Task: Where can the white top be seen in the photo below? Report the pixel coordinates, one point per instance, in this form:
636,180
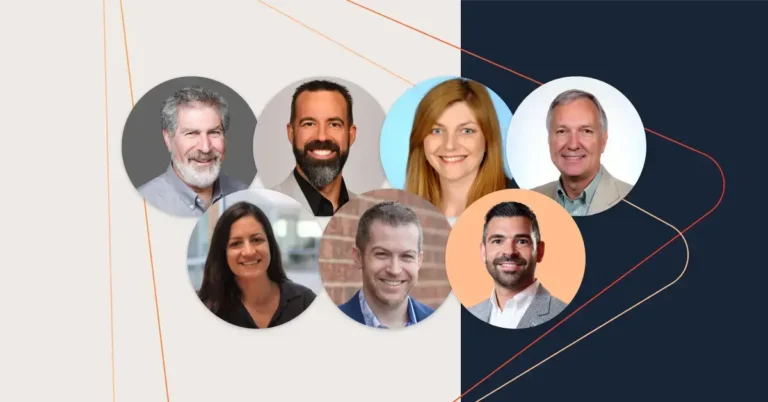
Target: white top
514,308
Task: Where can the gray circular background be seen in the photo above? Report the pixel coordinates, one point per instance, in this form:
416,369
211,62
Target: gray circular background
274,153
145,154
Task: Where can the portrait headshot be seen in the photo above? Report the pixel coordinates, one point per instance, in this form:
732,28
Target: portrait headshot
186,145
578,141
253,259
382,259
318,141
444,141
515,259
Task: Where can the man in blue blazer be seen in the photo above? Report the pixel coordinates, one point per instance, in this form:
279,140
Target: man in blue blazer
388,250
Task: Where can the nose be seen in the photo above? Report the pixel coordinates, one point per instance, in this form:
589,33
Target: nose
449,141
248,249
394,268
573,141
205,143
510,248
321,134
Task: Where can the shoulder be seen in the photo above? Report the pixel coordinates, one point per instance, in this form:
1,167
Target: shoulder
352,304
230,184
556,306
421,307
153,186
285,185
299,290
548,188
622,187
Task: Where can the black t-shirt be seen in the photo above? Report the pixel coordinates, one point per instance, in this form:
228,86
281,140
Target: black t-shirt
321,206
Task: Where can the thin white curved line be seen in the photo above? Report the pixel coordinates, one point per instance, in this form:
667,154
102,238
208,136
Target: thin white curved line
687,259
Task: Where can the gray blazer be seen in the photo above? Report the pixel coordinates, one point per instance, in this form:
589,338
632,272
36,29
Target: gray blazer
543,308
291,188
610,191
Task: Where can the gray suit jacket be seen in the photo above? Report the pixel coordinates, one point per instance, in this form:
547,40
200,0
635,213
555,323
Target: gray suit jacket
291,188
610,191
543,308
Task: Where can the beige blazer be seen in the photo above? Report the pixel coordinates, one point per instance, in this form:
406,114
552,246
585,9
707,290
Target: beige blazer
610,191
291,188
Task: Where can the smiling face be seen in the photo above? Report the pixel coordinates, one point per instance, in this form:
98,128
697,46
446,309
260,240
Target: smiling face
508,252
390,262
576,141
247,248
456,145
321,135
197,147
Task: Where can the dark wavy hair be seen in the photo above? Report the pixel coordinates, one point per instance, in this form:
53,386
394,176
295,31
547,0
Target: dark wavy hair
219,290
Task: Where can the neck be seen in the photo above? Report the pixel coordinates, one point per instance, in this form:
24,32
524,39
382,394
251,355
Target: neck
390,316
503,294
331,191
257,291
455,193
575,185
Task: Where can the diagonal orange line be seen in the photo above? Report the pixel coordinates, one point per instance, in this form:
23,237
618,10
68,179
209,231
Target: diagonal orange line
109,197
446,42
722,194
334,41
146,217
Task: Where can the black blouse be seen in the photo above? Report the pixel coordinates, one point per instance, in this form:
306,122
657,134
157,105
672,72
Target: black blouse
294,299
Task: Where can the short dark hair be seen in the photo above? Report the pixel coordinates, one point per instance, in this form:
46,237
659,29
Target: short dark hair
391,213
322,85
219,290
511,209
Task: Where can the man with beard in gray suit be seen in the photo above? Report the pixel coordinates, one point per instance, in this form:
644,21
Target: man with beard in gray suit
510,249
321,131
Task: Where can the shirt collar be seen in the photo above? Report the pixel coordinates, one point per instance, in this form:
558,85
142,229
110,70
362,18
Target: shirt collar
588,193
372,321
190,198
519,299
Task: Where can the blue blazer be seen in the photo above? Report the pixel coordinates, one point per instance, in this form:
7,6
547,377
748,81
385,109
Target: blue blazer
352,309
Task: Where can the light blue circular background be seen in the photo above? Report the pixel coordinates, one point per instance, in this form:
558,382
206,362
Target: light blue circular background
396,130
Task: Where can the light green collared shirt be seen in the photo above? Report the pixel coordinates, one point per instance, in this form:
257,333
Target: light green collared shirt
579,206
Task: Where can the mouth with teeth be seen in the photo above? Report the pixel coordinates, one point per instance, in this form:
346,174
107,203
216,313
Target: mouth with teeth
322,153
250,263
509,267
573,158
392,282
453,159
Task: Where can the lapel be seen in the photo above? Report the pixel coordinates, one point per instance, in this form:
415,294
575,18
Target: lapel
290,187
538,309
606,195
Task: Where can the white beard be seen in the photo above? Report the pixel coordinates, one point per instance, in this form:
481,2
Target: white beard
201,177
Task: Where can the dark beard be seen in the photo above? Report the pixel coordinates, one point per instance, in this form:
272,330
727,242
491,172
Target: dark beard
510,280
320,173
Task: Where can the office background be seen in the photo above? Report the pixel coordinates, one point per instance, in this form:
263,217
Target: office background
296,230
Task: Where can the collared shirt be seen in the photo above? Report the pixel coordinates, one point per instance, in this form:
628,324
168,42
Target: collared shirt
514,308
170,194
321,206
372,321
294,299
578,206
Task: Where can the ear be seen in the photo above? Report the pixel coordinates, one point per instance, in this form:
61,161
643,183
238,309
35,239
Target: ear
604,141
352,135
483,256
540,252
421,258
357,256
167,139
289,131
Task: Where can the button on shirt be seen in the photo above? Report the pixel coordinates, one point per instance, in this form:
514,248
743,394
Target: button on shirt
514,308
578,206
170,194
372,321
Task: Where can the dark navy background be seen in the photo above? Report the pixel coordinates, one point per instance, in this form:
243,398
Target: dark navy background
695,73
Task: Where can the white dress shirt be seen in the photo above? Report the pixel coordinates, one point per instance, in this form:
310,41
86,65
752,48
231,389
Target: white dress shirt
514,308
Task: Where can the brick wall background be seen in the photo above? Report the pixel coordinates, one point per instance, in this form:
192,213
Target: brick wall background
342,278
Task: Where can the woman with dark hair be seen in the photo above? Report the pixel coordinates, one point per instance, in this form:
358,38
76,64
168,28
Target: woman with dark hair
243,281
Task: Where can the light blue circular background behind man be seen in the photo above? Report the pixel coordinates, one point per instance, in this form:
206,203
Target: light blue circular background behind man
396,130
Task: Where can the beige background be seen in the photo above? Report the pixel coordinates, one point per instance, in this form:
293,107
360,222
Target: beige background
561,271
56,48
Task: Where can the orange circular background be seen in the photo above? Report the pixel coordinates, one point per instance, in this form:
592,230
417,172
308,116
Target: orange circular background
560,271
